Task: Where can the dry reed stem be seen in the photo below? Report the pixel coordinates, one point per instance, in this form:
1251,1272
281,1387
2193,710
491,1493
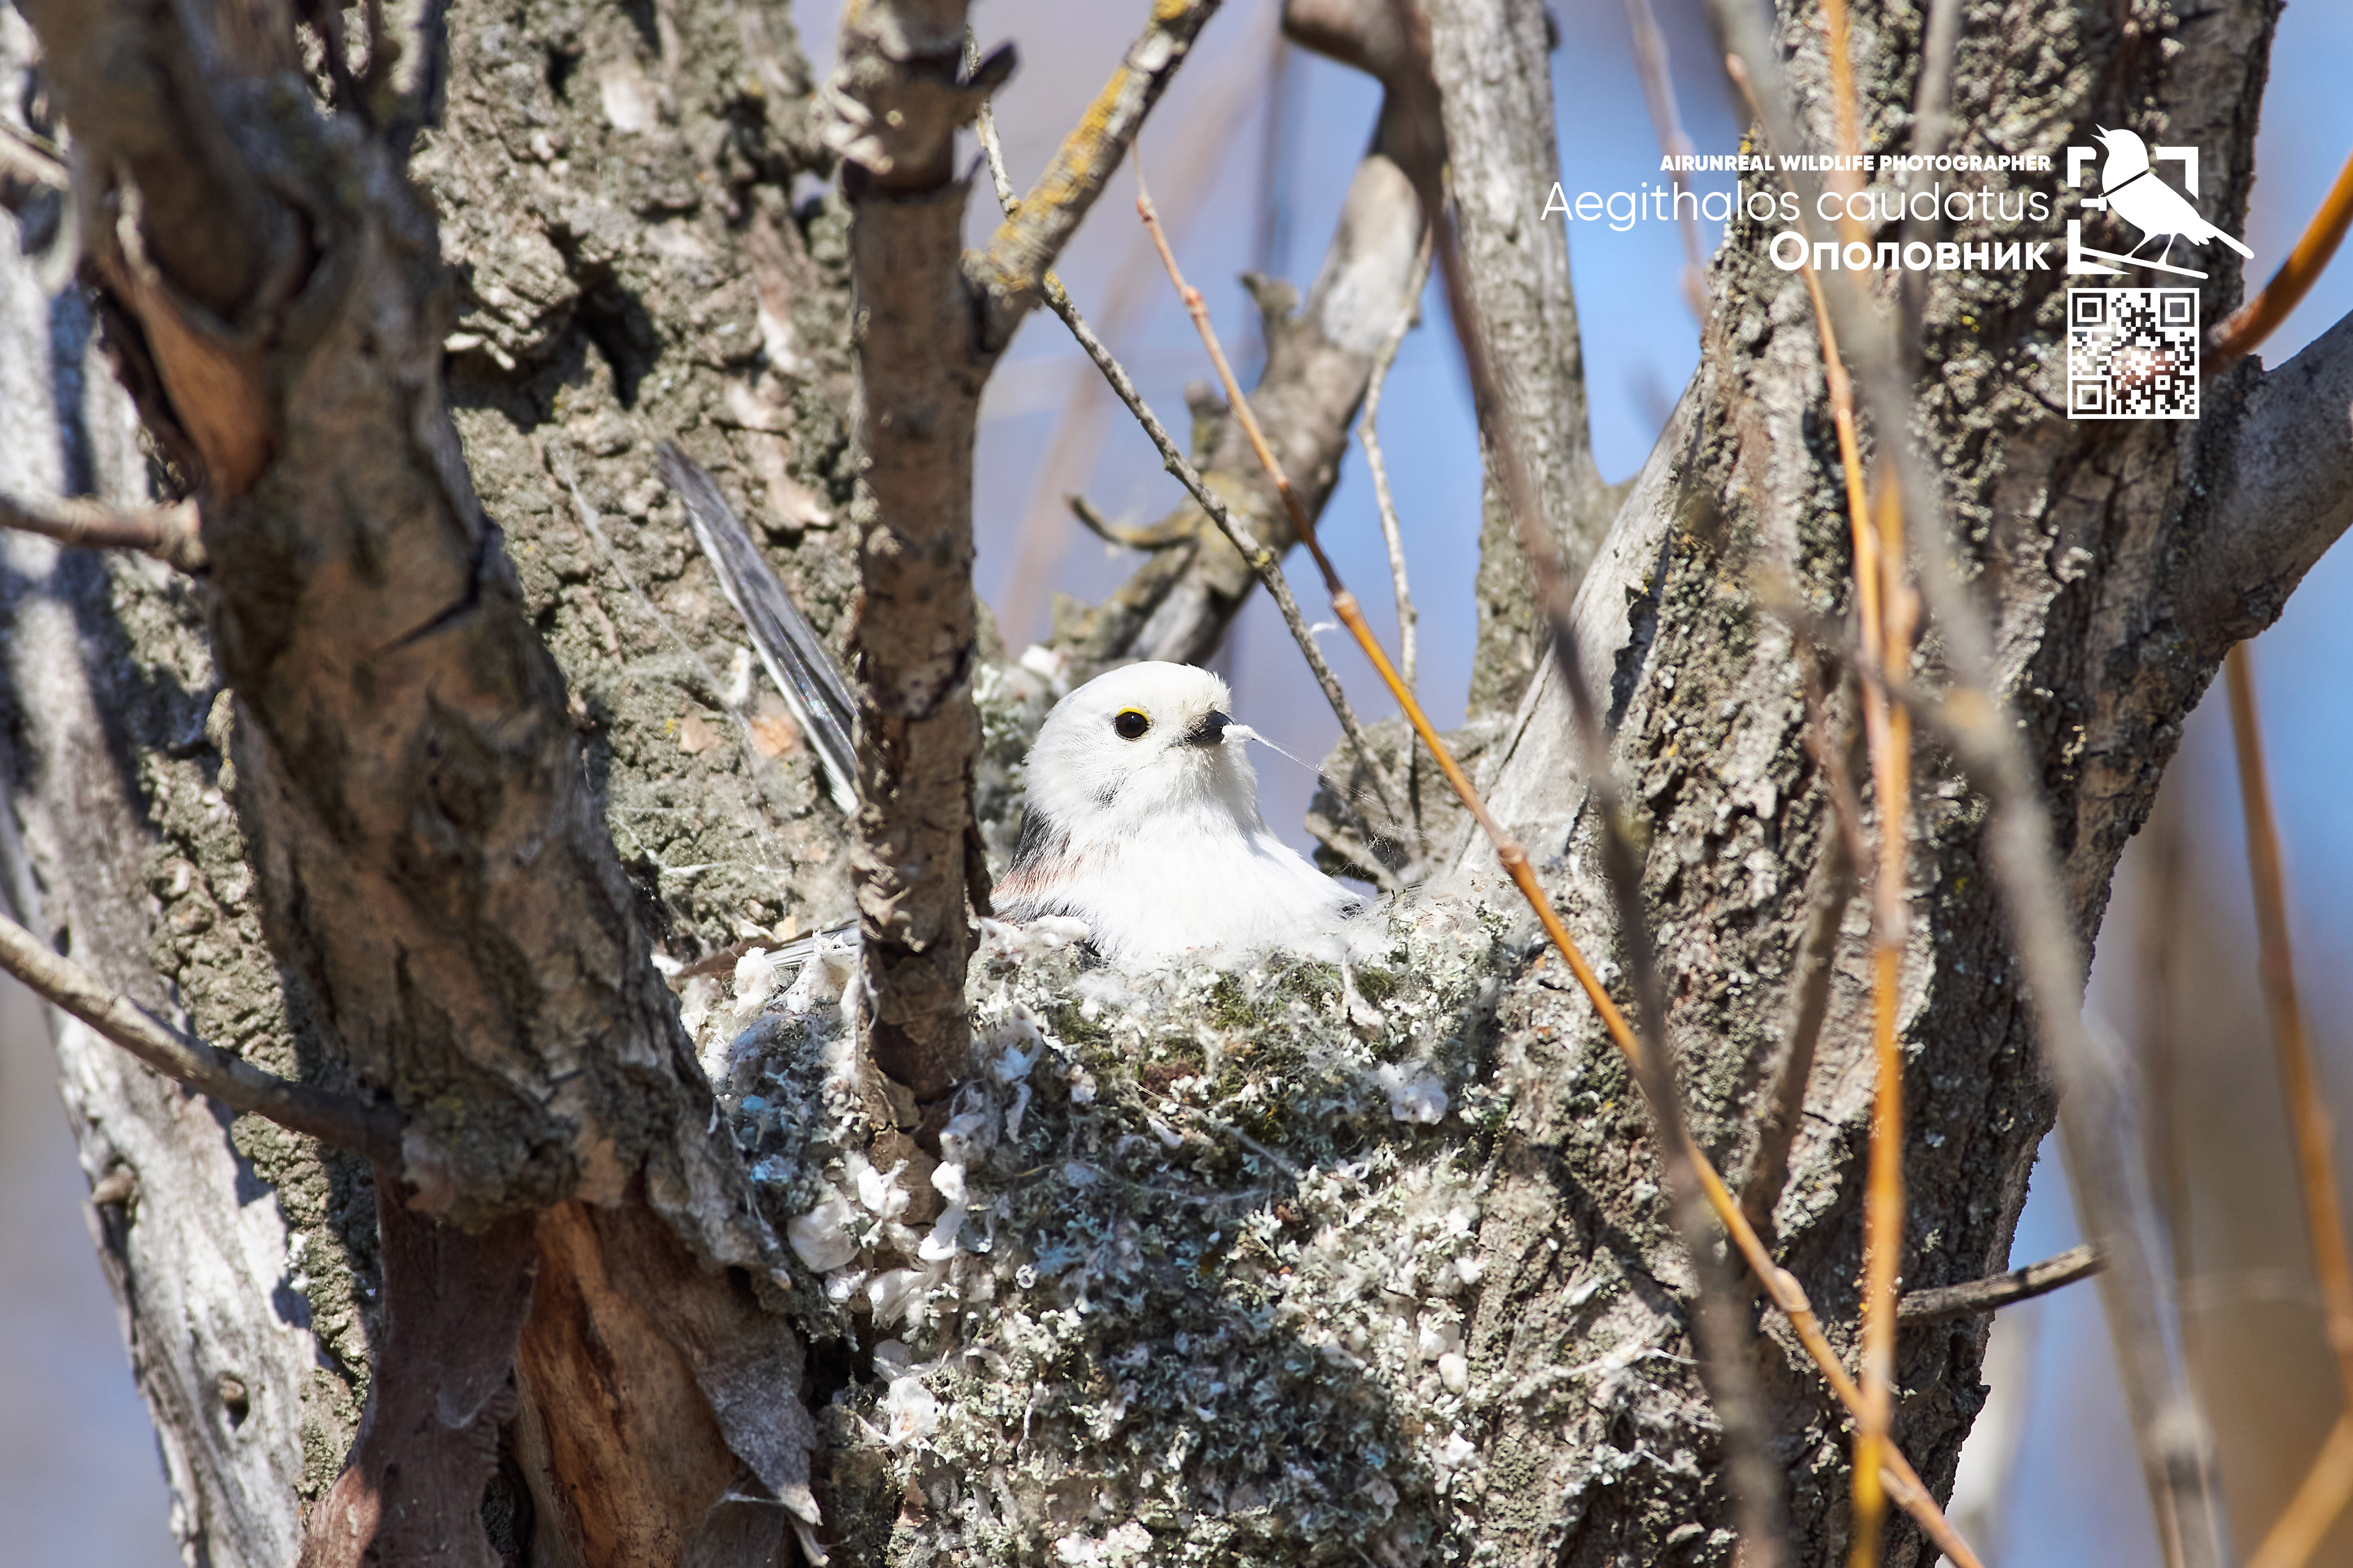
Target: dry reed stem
2322,1495
2330,1479
1883,1213
2254,321
1901,1483
1882,601
2329,1483
1887,731
1844,102
2308,1116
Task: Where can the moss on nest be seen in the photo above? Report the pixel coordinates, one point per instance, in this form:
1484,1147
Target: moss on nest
1177,1281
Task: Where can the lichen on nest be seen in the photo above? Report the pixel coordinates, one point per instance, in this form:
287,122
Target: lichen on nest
1176,1277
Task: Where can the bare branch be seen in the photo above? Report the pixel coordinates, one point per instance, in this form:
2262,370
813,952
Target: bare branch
985,125
932,324
369,1130
168,533
1991,1295
1369,433
897,101
127,81
1011,273
1666,124
2254,320
1160,536
1319,358
2277,491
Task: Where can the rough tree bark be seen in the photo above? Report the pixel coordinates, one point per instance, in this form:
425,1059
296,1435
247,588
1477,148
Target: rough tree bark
1244,1300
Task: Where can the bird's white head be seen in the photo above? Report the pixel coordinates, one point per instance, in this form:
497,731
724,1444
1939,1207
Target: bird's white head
2127,154
1142,744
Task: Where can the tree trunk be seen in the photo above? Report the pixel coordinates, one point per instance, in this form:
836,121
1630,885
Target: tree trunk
1287,1267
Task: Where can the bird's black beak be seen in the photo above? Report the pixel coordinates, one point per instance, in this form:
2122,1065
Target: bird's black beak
1209,731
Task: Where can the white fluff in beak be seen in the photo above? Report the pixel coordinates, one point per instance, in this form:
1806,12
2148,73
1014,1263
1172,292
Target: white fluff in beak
1143,823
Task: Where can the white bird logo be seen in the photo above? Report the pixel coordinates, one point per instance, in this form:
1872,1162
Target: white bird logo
1143,823
2130,188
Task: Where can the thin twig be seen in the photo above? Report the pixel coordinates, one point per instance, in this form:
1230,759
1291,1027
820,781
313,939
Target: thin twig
2296,1534
1037,227
1261,560
1078,427
1666,124
167,533
1368,432
2307,1117
1883,604
1932,122
1006,202
1269,228
1392,797
1769,1163
1979,1297
370,1130
2254,321
1158,537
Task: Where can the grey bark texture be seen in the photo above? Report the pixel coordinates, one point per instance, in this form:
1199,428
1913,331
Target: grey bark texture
1493,62
1242,1301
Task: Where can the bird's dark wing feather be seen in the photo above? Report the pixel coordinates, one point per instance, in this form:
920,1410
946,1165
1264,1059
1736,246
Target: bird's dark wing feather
788,644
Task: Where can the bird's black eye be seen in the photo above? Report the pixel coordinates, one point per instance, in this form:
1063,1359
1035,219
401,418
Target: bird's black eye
1131,724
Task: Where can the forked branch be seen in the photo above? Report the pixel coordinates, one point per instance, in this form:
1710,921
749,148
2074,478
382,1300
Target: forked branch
370,1130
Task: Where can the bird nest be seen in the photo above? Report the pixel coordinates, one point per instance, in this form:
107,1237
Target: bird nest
1174,1278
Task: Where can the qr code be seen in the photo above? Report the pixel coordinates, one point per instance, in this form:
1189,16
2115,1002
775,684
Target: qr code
2132,353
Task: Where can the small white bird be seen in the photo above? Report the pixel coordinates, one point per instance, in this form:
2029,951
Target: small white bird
1143,823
